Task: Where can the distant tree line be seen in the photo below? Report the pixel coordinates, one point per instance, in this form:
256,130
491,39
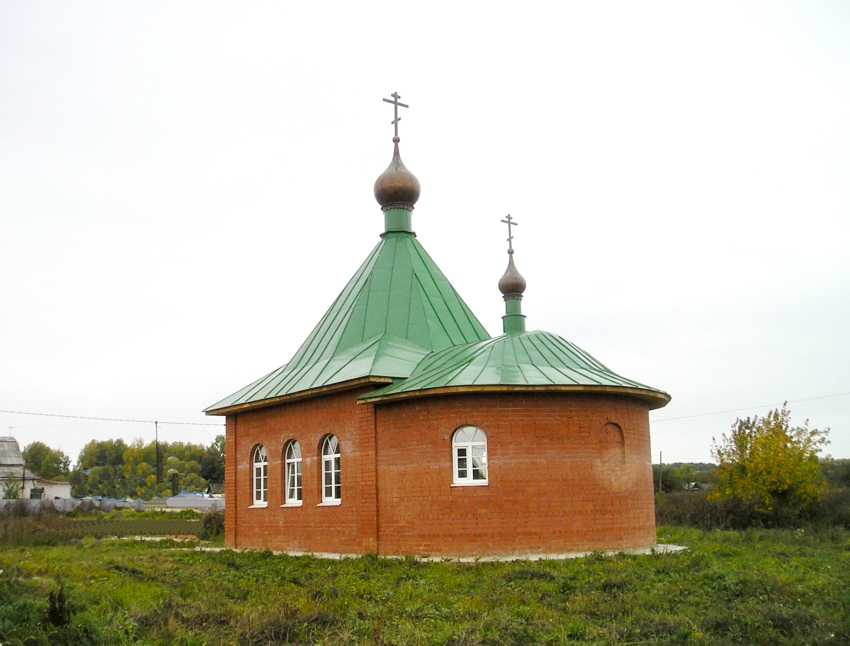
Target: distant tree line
681,476
837,472
114,469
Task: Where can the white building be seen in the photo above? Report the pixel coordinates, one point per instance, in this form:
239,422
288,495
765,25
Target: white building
12,467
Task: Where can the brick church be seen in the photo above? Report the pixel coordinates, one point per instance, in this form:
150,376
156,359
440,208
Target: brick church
402,427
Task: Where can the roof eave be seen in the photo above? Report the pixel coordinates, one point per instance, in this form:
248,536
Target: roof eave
655,398
52,482
303,394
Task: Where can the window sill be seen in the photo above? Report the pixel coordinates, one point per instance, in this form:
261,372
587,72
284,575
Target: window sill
330,503
471,484
292,504
261,505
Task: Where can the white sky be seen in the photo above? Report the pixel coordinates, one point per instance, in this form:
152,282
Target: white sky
186,187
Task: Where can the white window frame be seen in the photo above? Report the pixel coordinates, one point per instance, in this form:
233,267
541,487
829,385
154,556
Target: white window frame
331,470
260,476
292,477
469,443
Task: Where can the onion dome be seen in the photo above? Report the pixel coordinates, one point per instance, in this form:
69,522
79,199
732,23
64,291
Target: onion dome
512,283
397,187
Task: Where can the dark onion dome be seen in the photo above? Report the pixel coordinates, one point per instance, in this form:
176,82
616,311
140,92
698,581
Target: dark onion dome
512,282
396,187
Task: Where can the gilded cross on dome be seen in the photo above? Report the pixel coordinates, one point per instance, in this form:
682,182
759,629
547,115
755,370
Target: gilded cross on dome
510,222
396,96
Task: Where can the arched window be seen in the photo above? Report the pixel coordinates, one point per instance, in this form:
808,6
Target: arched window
469,449
261,476
292,477
331,489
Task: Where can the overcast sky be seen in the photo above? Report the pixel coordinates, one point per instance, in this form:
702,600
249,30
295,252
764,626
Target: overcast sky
185,187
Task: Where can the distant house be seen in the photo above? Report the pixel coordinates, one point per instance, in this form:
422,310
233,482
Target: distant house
35,488
194,500
214,490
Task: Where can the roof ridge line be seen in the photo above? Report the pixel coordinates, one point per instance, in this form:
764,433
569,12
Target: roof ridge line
421,254
345,296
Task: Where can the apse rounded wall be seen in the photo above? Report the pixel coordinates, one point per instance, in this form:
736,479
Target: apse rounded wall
565,472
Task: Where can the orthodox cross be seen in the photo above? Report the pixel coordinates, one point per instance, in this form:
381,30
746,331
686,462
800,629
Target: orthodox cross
510,222
396,103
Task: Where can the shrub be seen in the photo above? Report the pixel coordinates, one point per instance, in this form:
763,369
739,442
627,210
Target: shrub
696,509
29,530
213,526
835,508
689,509
57,608
16,509
769,472
699,510
10,489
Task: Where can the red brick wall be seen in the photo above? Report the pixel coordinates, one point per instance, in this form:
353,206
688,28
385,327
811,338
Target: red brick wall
347,528
567,472
560,480
230,480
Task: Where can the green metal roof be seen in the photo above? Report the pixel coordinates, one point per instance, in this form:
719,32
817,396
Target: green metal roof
397,308
527,360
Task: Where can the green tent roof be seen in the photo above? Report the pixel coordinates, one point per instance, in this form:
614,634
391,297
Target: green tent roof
516,361
397,308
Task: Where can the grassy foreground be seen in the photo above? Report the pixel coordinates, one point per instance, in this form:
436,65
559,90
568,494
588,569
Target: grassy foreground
748,587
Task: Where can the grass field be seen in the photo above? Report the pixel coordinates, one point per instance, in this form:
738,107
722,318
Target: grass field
750,587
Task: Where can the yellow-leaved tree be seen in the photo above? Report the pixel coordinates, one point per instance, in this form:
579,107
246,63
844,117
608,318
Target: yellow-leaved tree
769,470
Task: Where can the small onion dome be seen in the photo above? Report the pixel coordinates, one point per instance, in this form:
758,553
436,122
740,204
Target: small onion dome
397,187
512,282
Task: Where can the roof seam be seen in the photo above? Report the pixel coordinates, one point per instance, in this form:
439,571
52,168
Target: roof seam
419,253
328,322
521,341
470,317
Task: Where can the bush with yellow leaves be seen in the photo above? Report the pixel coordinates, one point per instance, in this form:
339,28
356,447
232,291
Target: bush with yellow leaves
768,470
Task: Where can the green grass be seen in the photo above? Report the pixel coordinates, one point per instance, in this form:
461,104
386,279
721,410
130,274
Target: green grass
747,587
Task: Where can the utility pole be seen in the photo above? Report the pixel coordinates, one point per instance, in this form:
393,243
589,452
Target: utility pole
23,466
660,469
156,429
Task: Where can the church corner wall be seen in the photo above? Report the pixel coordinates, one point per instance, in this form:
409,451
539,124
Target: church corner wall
347,528
230,431
366,479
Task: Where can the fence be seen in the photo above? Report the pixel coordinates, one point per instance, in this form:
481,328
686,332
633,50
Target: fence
70,504
43,521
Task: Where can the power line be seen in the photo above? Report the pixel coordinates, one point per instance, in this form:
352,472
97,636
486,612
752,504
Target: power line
738,410
151,421
109,419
